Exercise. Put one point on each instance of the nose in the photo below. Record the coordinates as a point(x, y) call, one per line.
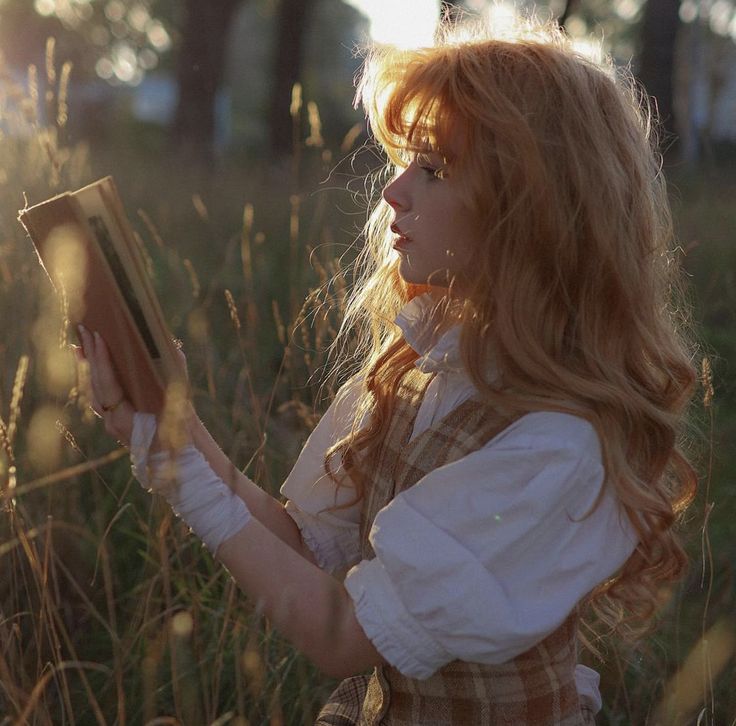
point(395, 193)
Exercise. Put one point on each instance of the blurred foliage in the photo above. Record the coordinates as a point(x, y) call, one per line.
point(97, 36)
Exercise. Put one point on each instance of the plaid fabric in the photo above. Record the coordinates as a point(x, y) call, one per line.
point(536, 688)
point(344, 706)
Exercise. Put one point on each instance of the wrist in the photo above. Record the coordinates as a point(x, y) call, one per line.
point(184, 478)
point(119, 421)
point(197, 495)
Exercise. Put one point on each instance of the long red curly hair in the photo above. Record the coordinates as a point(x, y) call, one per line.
point(576, 288)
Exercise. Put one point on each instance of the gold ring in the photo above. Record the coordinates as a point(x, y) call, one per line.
point(113, 406)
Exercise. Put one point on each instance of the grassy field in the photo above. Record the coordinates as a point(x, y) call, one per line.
point(109, 612)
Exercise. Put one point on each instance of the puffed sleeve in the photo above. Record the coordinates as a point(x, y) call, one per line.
point(484, 557)
point(331, 534)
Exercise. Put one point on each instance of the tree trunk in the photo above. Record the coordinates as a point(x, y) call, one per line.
point(200, 70)
point(291, 26)
point(567, 11)
point(656, 61)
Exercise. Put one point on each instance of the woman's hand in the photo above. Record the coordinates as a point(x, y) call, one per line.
point(98, 379)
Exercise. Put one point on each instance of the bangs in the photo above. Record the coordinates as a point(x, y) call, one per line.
point(408, 103)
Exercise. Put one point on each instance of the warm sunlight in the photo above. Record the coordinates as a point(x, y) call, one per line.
point(502, 18)
point(404, 23)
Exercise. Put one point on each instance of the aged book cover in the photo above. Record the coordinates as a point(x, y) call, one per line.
point(87, 246)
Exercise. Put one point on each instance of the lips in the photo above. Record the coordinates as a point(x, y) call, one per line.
point(401, 236)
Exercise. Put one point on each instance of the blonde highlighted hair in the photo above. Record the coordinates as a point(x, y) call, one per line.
point(575, 289)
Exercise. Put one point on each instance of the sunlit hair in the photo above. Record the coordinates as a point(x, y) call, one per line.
point(574, 293)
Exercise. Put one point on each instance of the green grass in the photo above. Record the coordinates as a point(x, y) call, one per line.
point(109, 611)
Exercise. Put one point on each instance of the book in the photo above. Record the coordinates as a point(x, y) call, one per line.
point(88, 248)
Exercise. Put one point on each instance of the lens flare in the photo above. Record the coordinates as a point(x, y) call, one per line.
point(67, 265)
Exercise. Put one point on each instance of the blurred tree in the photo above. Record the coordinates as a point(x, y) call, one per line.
point(201, 65)
point(291, 24)
point(199, 75)
point(567, 10)
point(656, 65)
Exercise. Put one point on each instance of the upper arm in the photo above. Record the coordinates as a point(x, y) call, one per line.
point(487, 555)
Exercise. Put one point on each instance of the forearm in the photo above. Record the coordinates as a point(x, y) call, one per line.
point(266, 558)
point(249, 532)
point(310, 608)
point(267, 510)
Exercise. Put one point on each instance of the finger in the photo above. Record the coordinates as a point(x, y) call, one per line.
point(182, 362)
point(86, 340)
point(91, 355)
point(84, 385)
point(97, 377)
point(106, 371)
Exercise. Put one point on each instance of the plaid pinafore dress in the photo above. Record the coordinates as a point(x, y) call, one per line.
point(536, 688)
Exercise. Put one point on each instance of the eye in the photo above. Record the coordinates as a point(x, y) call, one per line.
point(432, 163)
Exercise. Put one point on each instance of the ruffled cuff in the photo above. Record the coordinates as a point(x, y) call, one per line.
point(587, 682)
point(144, 429)
point(185, 479)
point(389, 626)
point(333, 548)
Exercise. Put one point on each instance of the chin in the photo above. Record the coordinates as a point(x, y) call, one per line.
point(413, 276)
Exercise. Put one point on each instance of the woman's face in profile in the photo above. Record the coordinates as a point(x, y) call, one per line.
point(435, 229)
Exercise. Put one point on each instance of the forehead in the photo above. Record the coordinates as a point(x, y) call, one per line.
point(425, 136)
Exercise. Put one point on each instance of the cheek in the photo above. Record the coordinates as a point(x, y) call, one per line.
point(469, 238)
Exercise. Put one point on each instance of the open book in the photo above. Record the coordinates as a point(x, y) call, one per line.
point(94, 260)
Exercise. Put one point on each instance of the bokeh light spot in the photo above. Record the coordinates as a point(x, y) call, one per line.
point(44, 440)
point(576, 26)
point(125, 62)
point(114, 11)
point(197, 326)
point(182, 624)
point(157, 36)
point(688, 11)
point(627, 9)
point(139, 17)
point(44, 7)
point(105, 68)
point(720, 17)
point(83, 10)
point(59, 370)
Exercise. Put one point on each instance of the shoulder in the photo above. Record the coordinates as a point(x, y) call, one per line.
point(543, 460)
point(550, 430)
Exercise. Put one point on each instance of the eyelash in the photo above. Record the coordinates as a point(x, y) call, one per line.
point(434, 172)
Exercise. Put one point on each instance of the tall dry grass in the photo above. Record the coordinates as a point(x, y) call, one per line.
point(110, 613)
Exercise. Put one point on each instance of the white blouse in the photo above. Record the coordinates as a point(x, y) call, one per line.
point(481, 558)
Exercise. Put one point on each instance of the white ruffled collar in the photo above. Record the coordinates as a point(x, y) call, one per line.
point(438, 346)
